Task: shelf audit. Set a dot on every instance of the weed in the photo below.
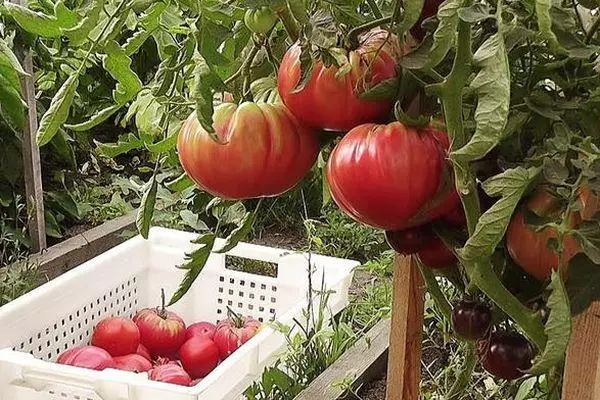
(17, 280)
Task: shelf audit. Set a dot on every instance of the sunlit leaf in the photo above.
(118, 64)
(146, 210)
(58, 112)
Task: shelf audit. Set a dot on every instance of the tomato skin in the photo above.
(392, 177)
(332, 102)
(590, 203)
(437, 255)
(202, 329)
(170, 373)
(143, 351)
(265, 151)
(199, 356)
(162, 334)
(471, 320)
(411, 240)
(506, 355)
(231, 334)
(133, 363)
(260, 21)
(118, 336)
(529, 248)
(89, 357)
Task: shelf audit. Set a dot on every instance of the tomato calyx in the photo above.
(237, 319)
(415, 121)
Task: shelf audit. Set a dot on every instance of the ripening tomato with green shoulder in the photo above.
(260, 20)
(392, 177)
(260, 150)
(330, 99)
(529, 248)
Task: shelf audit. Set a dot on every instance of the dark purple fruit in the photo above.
(410, 241)
(471, 320)
(506, 355)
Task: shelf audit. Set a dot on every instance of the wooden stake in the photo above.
(404, 365)
(31, 159)
(582, 369)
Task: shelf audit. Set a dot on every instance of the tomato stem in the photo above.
(163, 309)
(237, 319)
(289, 23)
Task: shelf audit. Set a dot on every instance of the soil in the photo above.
(374, 390)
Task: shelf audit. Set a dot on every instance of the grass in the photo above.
(17, 280)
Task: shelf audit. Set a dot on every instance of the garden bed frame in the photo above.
(367, 357)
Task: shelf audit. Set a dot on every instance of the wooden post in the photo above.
(31, 158)
(404, 363)
(582, 368)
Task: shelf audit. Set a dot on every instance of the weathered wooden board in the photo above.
(582, 369)
(362, 363)
(404, 363)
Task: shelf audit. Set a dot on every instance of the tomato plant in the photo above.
(261, 20)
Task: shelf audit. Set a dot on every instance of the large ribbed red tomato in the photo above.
(330, 99)
(529, 248)
(392, 176)
(264, 151)
(233, 332)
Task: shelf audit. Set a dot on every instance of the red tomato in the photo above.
(529, 248)
(411, 240)
(436, 255)
(234, 332)
(133, 363)
(391, 176)
(162, 332)
(330, 101)
(202, 329)
(143, 351)
(119, 336)
(457, 217)
(506, 355)
(89, 357)
(590, 203)
(264, 151)
(199, 356)
(170, 373)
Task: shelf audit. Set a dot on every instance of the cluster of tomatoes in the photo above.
(157, 342)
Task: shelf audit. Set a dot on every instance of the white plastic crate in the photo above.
(37, 327)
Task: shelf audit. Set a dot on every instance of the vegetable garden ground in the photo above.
(460, 136)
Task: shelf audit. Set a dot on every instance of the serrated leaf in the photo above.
(583, 284)
(11, 58)
(558, 328)
(444, 36)
(34, 22)
(544, 20)
(58, 112)
(588, 235)
(239, 233)
(492, 86)
(387, 89)
(79, 34)
(164, 145)
(410, 16)
(146, 210)
(180, 183)
(118, 65)
(95, 119)
(195, 262)
(491, 227)
(203, 92)
(125, 144)
(554, 171)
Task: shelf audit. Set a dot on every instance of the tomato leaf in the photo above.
(146, 210)
(34, 22)
(150, 21)
(195, 262)
(118, 64)
(583, 284)
(492, 86)
(490, 229)
(410, 16)
(475, 13)
(558, 328)
(204, 90)
(80, 32)
(7, 54)
(125, 144)
(387, 89)
(95, 120)
(544, 20)
(180, 183)
(444, 36)
(239, 233)
(58, 112)
(588, 235)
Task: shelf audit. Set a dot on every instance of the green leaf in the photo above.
(492, 86)
(7, 54)
(475, 13)
(146, 210)
(239, 233)
(150, 21)
(542, 11)
(95, 119)
(298, 11)
(524, 392)
(387, 89)
(444, 36)
(195, 262)
(491, 227)
(66, 18)
(118, 64)
(410, 16)
(181, 183)
(58, 112)
(164, 145)
(558, 328)
(34, 22)
(52, 226)
(79, 33)
(203, 92)
(125, 144)
(64, 201)
(12, 108)
(583, 284)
